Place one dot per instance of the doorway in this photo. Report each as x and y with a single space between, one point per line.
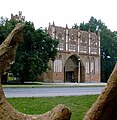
69 76
71 69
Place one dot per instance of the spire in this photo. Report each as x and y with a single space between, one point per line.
53 23
49 24
66 26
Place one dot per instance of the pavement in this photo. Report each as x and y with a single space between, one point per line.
76 84
44 84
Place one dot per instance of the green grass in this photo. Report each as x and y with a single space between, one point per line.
78 104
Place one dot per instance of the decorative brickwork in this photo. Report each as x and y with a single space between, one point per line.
78 57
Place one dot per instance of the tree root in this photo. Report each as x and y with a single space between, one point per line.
105 108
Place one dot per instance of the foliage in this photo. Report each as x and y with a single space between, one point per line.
34 52
78 104
108 45
5 27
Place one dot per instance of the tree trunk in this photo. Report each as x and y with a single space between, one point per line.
7 112
105 108
4 78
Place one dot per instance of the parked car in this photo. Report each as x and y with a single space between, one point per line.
10 77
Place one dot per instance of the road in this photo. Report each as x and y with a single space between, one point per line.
49 92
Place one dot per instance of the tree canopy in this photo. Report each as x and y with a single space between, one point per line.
33 53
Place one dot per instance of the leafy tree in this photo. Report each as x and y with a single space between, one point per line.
2 29
75 26
108 45
5 27
34 53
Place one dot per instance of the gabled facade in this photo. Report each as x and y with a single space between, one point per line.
78 56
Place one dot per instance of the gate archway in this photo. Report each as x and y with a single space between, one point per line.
74 70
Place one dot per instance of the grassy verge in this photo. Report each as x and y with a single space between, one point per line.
78 104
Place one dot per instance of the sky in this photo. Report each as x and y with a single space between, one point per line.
62 12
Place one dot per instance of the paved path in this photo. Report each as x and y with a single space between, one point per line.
48 92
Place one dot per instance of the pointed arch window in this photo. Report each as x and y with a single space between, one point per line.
87 65
61 41
92 66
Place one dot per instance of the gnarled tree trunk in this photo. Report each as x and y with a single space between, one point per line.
7 56
105 108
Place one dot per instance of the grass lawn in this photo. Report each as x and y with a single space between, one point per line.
78 104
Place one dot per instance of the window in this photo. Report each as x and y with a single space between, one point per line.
87 67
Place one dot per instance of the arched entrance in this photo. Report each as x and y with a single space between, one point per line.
73 70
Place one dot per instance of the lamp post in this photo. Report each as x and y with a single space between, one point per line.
78 70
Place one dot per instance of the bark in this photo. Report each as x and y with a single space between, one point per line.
105 107
7 56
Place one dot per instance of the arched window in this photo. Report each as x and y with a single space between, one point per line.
87 65
60 37
72 42
92 66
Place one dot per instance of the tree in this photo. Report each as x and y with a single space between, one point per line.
2 29
34 53
108 45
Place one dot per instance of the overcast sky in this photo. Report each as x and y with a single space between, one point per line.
62 12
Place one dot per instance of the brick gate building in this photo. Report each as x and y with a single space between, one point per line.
78 56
